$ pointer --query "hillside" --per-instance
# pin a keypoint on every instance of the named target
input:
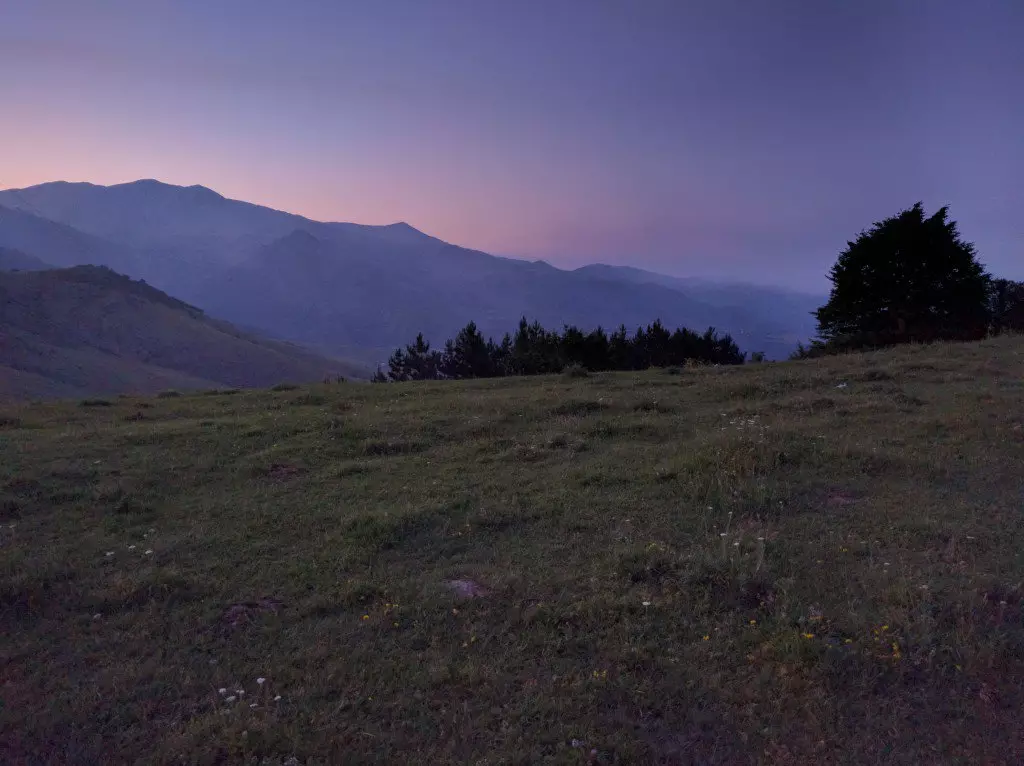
(15, 260)
(88, 330)
(806, 562)
(353, 290)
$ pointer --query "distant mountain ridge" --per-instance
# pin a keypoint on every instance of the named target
(355, 290)
(15, 260)
(89, 330)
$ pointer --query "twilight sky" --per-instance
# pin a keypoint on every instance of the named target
(746, 140)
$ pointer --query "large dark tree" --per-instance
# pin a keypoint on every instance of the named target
(910, 278)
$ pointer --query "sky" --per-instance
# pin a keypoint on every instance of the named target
(738, 140)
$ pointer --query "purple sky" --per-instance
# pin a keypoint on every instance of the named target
(735, 139)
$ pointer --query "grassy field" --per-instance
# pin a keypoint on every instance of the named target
(808, 562)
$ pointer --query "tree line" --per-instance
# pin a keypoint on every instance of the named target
(910, 278)
(534, 350)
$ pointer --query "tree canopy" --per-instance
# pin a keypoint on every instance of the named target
(533, 350)
(909, 278)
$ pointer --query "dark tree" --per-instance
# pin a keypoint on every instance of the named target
(1006, 306)
(415, 362)
(620, 350)
(468, 355)
(595, 351)
(910, 278)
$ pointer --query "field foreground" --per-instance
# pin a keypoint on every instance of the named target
(812, 562)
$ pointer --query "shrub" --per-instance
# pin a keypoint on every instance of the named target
(576, 371)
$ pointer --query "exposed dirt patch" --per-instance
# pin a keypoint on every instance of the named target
(283, 471)
(245, 612)
(467, 588)
(841, 498)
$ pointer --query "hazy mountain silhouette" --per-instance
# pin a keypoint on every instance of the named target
(15, 260)
(357, 290)
(787, 312)
(89, 330)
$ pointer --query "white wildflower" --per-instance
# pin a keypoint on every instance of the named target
(232, 698)
(261, 680)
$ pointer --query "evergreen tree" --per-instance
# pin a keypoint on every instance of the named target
(1006, 306)
(467, 356)
(415, 362)
(573, 347)
(620, 350)
(596, 351)
(910, 278)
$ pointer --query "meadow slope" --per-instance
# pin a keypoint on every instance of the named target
(807, 562)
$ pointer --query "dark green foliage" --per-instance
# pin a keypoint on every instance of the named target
(415, 362)
(1006, 306)
(576, 371)
(534, 350)
(910, 278)
(468, 356)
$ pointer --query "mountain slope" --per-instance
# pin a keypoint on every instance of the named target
(175, 237)
(359, 302)
(15, 260)
(355, 290)
(147, 213)
(62, 245)
(90, 330)
(787, 312)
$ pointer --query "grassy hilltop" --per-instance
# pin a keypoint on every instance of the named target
(813, 562)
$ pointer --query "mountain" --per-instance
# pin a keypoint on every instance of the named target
(353, 290)
(59, 244)
(174, 237)
(15, 260)
(89, 330)
(788, 310)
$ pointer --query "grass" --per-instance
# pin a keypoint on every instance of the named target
(808, 562)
